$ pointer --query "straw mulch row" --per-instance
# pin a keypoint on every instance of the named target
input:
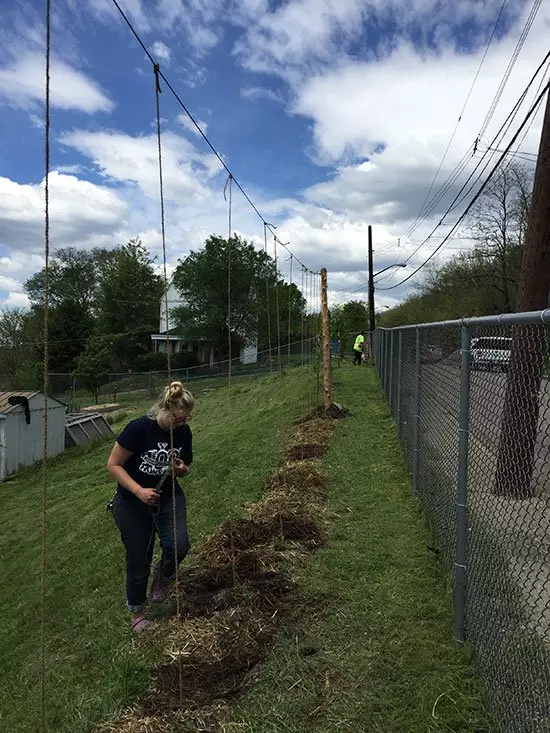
(233, 599)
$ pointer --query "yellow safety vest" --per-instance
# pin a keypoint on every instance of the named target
(358, 342)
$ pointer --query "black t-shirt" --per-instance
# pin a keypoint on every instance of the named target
(151, 452)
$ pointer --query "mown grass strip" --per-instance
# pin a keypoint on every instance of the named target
(93, 668)
(371, 647)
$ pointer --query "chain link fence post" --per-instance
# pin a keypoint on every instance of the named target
(461, 549)
(416, 412)
(382, 360)
(391, 376)
(388, 364)
(399, 379)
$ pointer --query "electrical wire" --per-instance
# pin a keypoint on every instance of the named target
(501, 133)
(421, 216)
(479, 192)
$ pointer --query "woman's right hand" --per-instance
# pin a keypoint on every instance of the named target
(148, 496)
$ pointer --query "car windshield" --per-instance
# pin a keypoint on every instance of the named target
(500, 344)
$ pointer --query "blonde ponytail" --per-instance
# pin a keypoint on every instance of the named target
(175, 399)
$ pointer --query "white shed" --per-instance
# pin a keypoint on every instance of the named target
(22, 429)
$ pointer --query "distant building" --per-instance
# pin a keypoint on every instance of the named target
(206, 351)
(22, 429)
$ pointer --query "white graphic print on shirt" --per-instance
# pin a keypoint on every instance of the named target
(155, 462)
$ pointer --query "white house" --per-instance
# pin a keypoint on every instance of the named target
(22, 429)
(206, 352)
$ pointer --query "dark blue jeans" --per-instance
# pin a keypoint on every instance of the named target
(139, 525)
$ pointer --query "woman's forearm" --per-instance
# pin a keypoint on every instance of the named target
(124, 479)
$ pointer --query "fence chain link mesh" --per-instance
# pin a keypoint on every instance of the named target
(507, 537)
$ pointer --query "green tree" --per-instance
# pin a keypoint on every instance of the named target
(13, 351)
(292, 306)
(128, 304)
(202, 280)
(73, 278)
(93, 364)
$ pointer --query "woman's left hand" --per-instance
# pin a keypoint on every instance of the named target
(180, 469)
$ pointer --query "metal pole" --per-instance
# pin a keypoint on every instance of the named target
(399, 379)
(372, 319)
(461, 549)
(384, 361)
(390, 382)
(387, 363)
(416, 414)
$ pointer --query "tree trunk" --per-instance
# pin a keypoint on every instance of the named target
(521, 403)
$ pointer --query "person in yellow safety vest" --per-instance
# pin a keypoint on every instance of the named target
(358, 347)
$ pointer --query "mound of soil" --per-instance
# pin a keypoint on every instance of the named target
(298, 477)
(211, 663)
(231, 537)
(301, 451)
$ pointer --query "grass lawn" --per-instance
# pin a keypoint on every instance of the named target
(92, 667)
(372, 649)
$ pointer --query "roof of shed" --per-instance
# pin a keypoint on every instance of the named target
(5, 406)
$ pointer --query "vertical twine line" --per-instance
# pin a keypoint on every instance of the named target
(289, 308)
(319, 337)
(156, 70)
(311, 330)
(229, 187)
(267, 300)
(277, 305)
(304, 310)
(45, 374)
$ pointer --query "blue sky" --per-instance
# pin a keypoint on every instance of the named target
(333, 114)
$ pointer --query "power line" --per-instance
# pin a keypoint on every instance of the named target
(519, 45)
(457, 200)
(478, 194)
(422, 214)
(271, 227)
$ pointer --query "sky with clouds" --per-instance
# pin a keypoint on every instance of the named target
(332, 114)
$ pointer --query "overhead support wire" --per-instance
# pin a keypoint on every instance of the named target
(198, 127)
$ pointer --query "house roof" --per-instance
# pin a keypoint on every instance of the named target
(5, 406)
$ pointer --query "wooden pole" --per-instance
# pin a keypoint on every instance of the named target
(521, 404)
(327, 367)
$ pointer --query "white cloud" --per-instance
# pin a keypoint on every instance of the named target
(185, 121)
(9, 283)
(300, 37)
(80, 213)
(161, 52)
(107, 11)
(255, 94)
(15, 300)
(127, 159)
(22, 84)
(198, 19)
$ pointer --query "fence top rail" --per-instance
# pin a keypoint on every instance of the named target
(504, 319)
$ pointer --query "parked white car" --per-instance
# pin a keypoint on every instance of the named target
(491, 353)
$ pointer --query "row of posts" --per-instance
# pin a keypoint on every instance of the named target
(388, 358)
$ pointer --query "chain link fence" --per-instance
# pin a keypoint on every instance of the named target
(78, 390)
(471, 400)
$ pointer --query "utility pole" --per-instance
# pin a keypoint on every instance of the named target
(521, 404)
(327, 366)
(372, 324)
